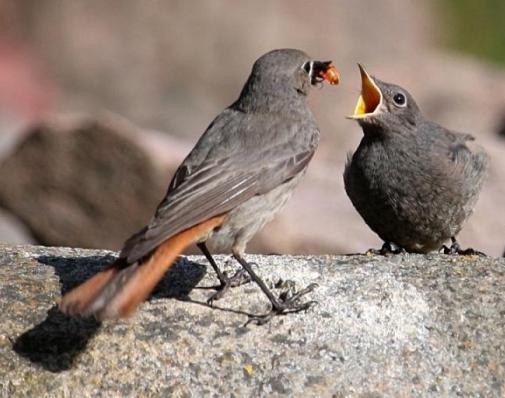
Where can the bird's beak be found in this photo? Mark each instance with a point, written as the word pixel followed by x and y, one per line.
pixel 324 70
pixel 370 99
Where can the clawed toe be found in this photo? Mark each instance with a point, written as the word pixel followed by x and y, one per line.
pixel 463 252
pixel 472 252
pixel 387 249
pixel 287 309
pixel 455 248
pixel 221 290
pixel 240 278
pixel 285 306
pixel 289 301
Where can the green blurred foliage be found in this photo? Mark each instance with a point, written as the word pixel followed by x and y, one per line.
pixel 476 27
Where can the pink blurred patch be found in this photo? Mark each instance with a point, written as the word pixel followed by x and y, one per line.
pixel 25 90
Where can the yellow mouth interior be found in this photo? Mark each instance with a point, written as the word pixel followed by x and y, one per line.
pixel 370 97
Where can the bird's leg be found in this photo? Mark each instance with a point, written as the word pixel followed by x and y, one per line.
pixel 387 249
pixel 279 307
pixel 456 249
pixel 226 282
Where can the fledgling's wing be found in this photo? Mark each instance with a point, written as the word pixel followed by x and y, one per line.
pixel 460 149
pixel 233 161
pixel 459 164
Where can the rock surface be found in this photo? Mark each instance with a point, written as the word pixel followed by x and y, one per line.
pixel 399 326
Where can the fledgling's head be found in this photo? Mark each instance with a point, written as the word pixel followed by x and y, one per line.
pixel 384 106
pixel 283 75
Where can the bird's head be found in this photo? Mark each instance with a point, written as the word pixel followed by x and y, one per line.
pixel 281 75
pixel 384 106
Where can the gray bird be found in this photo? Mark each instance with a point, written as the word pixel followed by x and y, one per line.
pixel 240 173
pixel 413 181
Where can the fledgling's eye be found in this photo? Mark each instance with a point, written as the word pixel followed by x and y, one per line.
pixel 400 100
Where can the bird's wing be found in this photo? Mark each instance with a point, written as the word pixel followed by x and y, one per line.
pixel 218 184
pixel 464 153
pixel 457 147
pixel 457 158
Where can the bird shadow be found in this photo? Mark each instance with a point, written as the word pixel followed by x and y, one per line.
pixel 56 342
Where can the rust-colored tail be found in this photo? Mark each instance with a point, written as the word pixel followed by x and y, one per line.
pixel 116 291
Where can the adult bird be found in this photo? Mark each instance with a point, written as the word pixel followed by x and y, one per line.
pixel 413 181
pixel 239 174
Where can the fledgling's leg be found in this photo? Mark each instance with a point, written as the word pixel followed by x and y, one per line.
pixel 387 249
pixel 456 249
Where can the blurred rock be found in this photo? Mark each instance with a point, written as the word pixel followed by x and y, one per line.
pixel 12 230
pixel 401 326
pixel 174 65
pixel 88 183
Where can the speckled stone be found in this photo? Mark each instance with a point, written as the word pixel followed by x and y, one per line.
pixel 407 325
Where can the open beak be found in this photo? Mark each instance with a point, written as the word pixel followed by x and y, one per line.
pixel 322 71
pixel 370 99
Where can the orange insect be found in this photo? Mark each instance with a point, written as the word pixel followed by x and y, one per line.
pixel 330 74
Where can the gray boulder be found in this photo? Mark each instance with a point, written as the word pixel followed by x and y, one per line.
pixel 407 325
pixel 87 182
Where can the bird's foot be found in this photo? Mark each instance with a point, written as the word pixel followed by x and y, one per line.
pixel 285 305
pixel 280 305
pixel 241 277
pixel 387 249
pixel 455 248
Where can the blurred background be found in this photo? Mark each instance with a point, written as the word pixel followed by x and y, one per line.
pixel 101 100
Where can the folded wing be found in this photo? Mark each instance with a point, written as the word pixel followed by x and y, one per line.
pixel 216 186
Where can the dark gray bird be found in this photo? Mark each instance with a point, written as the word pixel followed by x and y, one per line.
pixel 413 181
pixel 240 173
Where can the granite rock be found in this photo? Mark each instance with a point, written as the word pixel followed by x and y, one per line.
pixel 406 325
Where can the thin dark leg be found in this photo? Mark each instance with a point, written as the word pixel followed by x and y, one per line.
pixel 387 249
pixel 222 278
pixel 456 249
pixel 278 307
pixel 238 279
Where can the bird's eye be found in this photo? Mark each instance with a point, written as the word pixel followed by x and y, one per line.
pixel 400 100
pixel 307 67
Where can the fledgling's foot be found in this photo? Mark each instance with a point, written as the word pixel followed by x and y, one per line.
pixel 285 306
pixel 241 277
pixel 456 249
pixel 387 249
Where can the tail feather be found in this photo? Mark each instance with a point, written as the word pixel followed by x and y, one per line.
pixel 78 299
pixel 117 291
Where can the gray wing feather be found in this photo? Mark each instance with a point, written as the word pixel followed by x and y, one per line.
pixel 462 161
pixel 461 153
pixel 215 186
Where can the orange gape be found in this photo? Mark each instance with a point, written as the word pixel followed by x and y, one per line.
pixel 116 291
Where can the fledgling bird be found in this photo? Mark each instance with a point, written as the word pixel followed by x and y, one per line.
pixel 413 181
pixel 240 173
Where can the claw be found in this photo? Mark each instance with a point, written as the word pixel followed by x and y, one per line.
pixel 456 249
pixel 287 306
pixel 387 249
pixel 240 278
